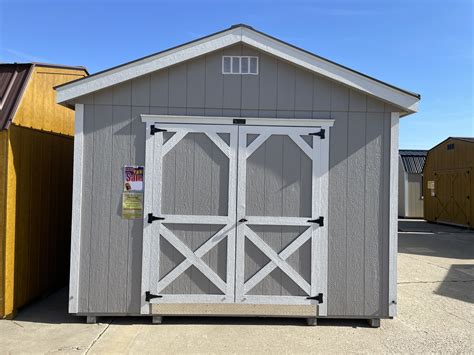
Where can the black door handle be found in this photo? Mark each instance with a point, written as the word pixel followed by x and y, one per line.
pixel 242 220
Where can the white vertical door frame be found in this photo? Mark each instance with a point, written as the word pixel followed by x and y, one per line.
pixel 319 154
pixel 149 230
pixel 320 207
pixel 76 208
pixel 156 149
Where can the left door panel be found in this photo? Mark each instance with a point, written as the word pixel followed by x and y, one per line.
pixel 190 185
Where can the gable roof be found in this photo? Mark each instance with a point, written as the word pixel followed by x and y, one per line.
pixel 413 161
pixel 464 139
pixel 14 79
pixel 404 99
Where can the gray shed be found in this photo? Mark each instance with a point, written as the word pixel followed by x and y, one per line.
pixel 270 184
pixel 410 183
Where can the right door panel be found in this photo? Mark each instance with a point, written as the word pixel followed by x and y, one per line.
pixel 281 254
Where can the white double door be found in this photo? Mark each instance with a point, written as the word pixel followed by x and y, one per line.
pixel 236 214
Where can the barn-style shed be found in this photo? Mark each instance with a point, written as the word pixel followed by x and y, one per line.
pixel 36 151
pixel 270 184
pixel 448 183
pixel 410 183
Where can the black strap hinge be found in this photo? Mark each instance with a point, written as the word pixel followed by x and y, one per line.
pixel 152 218
pixel 319 221
pixel 149 296
pixel 321 133
pixel 239 121
pixel 318 298
pixel 154 129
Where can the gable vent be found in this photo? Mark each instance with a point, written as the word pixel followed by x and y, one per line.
pixel 243 65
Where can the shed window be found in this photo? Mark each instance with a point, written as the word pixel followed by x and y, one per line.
pixel 240 65
pixel 451 146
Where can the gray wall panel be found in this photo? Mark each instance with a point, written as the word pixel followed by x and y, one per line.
pixel 122 94
pixel 356 213
pixel 196 82
pixel 118 248
pixel 286 87
pixel 303 90
pixel 373 215
pixel 268 83
pixel 159 88
pixel 339 97
pixel 177 81
pixel 358 152
pixel 101 193
pixel 141 91
pixel 337 225
pixel 214 81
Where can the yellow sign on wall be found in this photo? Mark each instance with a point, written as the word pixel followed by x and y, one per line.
pixel 132 205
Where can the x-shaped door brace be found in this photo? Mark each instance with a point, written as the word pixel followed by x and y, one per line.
pixel 277 260
pixel 193 258
pixel 178 136
pixel 262 137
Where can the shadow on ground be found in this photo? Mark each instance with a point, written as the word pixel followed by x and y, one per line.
pixel 458 288
pixel 440 241
pixel 430 239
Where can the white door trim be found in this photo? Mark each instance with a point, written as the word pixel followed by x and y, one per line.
pixel 254 121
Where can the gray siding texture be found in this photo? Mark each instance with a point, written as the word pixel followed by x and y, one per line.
pixel 111 248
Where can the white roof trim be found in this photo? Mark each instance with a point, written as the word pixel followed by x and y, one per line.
pixel 232 36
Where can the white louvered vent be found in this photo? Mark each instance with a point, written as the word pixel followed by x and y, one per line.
pixel 243 65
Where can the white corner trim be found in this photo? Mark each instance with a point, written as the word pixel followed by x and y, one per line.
pixel 290 122
pixel 393 216
pixel 76 209
pixel 226 38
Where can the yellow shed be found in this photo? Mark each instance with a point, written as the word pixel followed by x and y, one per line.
pixel 448 182
pixel 36 157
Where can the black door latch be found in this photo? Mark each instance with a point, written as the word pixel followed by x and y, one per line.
pixel 319 221
pixel 152 218
pixel 242 220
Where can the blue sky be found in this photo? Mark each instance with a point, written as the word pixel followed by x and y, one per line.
pixel 424 46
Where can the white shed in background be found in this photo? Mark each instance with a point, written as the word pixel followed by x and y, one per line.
pixel 410 183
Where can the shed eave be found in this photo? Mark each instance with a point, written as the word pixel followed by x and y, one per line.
pixel 407 101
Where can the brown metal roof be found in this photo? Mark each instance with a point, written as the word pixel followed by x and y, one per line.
pixel 466 139
pixel 13 80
